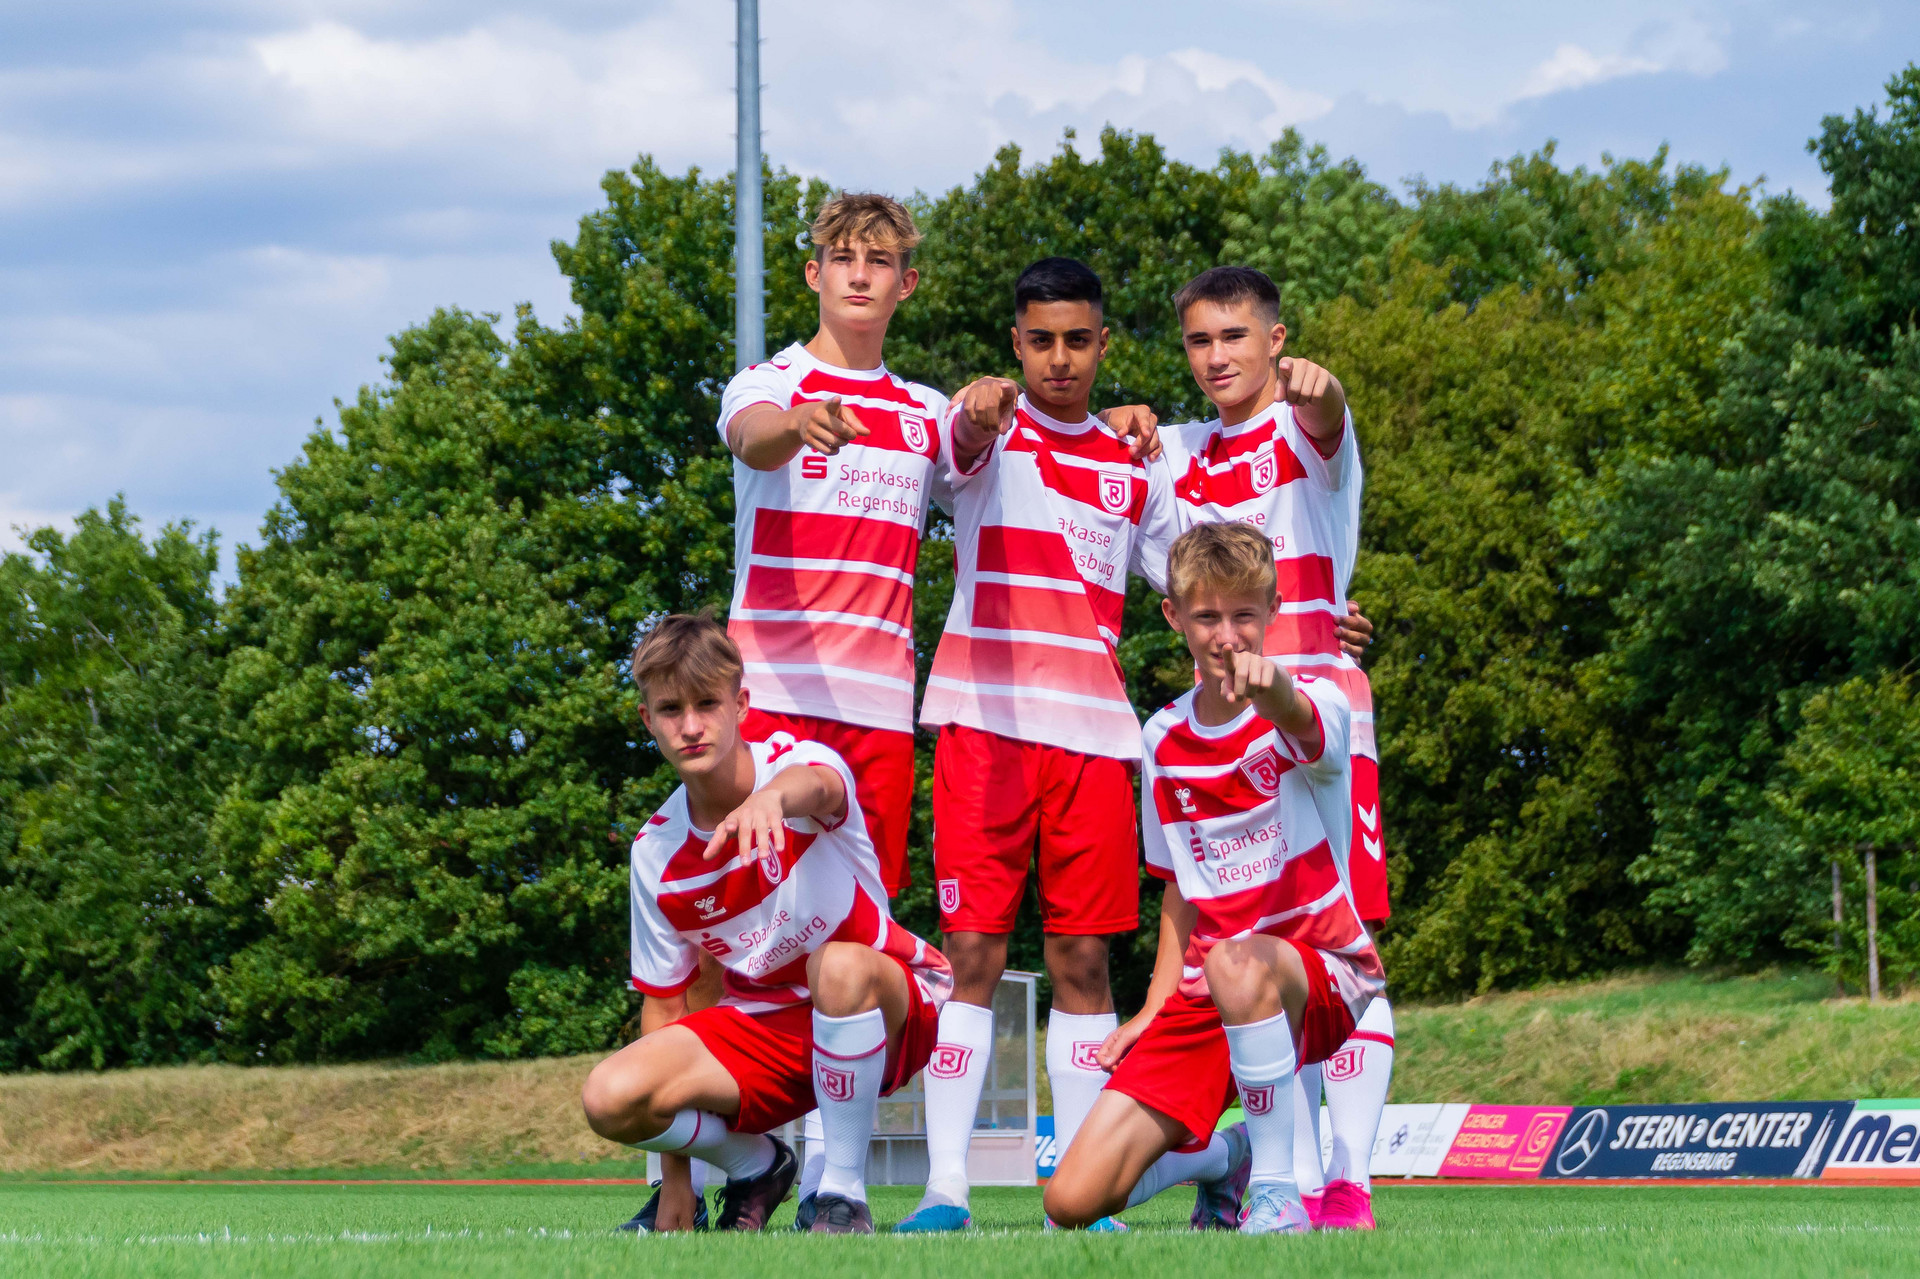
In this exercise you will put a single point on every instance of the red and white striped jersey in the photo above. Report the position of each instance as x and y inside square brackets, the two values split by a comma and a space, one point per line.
[1255, 830]
[1268, 472]
[824, 548]
[761, 922]
[1047, 525]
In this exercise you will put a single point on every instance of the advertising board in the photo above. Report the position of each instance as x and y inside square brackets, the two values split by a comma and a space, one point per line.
[1739, 1139]
[1504, 1141]
[1880, 1139]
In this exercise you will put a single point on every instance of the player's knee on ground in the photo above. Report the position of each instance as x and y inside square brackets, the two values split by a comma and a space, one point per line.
[1079, 1194]
[840, 978]
[1077, 967]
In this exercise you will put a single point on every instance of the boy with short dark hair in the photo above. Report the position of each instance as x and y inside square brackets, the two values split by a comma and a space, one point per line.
[1263, 963]
[762, 860]
[1037, 739]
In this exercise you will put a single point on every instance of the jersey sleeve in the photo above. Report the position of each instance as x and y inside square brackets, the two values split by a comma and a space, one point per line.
[1153, 835]
[1335, 715]
[664, 963]
[815, 755]
[1159, 526]
[761, 384]
[1343, 467]
[949, 467]
[939, 483]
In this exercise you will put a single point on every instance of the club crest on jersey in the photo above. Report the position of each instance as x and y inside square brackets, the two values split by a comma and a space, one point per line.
[1116, 492]
[1345, 1064]
[913, 429]
[949, 1061]
[1086, 1054]
[1265, 468]
[837, 1084]
[1263, 771]
[770, 867]
[1257, 1101]
[949, 896]
[707, 906]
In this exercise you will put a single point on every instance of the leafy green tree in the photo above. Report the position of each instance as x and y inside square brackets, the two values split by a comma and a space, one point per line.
[112, 759]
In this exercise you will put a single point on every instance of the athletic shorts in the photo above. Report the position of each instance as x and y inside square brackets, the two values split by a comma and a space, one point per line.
[1367, 863]
[770, 1055]
[1180, 1068]
[1000, 806]
[882, 764]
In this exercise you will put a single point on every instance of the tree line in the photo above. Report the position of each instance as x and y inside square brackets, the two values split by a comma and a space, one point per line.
[1641, 534]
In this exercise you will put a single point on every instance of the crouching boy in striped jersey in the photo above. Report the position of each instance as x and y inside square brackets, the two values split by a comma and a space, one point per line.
[1263, 964]
[762, 859]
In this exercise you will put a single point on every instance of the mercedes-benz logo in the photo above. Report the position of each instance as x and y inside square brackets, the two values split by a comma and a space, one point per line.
[1583, 1139]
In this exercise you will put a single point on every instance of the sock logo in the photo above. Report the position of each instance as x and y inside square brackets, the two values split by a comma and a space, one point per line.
[1086, 1054]
[837, 1084]
[1345, 1064]
[949, 1061]
[1257, 1101]
[949, 896]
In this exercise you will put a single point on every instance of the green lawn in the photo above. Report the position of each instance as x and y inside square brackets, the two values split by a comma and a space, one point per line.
[81, 1229]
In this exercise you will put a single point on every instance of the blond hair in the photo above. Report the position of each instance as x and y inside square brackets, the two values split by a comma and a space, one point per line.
[686, 653]
[1236, 559]
[881, 221]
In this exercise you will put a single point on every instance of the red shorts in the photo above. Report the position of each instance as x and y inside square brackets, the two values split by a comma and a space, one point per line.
[1367, 863]
[1000, 804]
[770, 1055]
[882, 764]
[1180, 1068]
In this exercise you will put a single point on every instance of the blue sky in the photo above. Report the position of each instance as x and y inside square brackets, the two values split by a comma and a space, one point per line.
[213, 212]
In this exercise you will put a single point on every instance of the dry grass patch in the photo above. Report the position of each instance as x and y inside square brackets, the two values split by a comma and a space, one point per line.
[1653, 1037]
[227, 1118]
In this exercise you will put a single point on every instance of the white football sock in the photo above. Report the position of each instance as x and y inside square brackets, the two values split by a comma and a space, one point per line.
[953, 1080]
[849, 1067]
[1307, 1156]
[705, 1136]
[1263, 1069]
[814, 1133]
[1072, 1040]
[702, 1171]
[1209, 1163]
[1357, 1093]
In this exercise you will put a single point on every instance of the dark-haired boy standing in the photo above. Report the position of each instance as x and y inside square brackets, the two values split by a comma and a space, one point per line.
[1038, 742]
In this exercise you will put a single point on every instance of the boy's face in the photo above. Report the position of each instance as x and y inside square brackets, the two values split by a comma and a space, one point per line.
[1219, 623]
[1231, 350]
[1060, 346]
[860, 284]
[697, 730]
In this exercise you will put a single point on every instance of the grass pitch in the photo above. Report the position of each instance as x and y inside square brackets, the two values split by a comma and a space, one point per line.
[89, 1229]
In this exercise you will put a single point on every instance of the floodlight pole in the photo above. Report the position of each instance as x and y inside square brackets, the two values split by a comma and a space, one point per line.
[749, 263]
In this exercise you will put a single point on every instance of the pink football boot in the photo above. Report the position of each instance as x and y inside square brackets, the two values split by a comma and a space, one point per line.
[1345, 1205]
[1313, 1209]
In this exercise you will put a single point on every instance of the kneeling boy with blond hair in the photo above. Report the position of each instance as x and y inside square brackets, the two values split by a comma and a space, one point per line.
[761, 859]
[1263, 965]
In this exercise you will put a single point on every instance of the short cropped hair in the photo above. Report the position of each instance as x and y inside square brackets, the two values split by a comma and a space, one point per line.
[1057, 280]
[1231, 286]
[687, 653]
[1233, 558]
[880, 220]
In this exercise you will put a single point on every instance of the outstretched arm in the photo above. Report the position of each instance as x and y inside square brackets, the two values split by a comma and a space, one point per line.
[982, 410]
[767, 438]
[759, 825]
[1319, 401]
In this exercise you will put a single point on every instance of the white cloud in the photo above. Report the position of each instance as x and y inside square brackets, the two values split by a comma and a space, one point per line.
[1687, 45]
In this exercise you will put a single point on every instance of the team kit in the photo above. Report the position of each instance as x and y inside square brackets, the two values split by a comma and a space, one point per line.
[778, 988]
